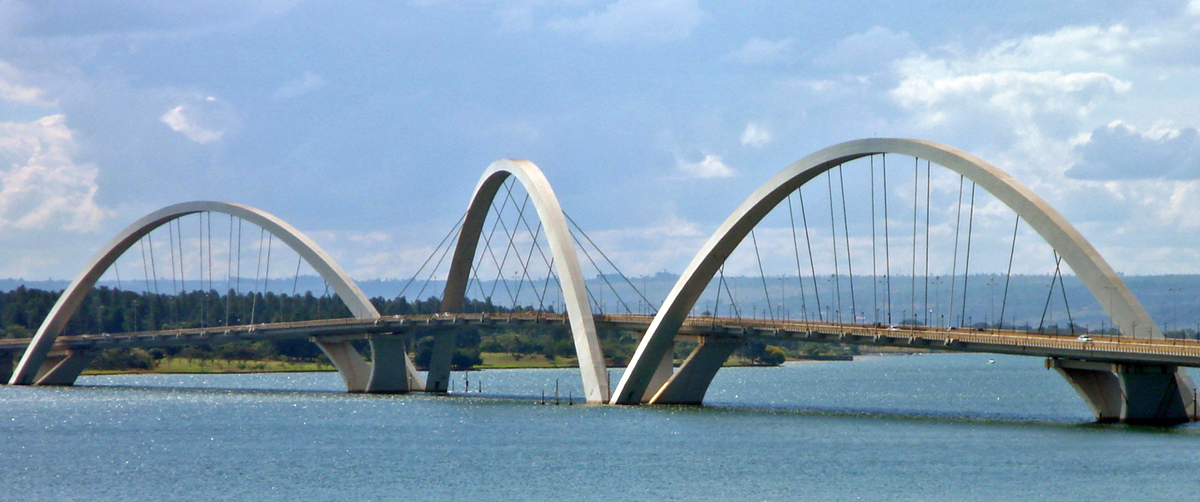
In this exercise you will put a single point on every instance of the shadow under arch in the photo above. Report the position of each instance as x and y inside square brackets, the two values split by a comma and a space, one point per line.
[35, 367]
[649, 378]
[566, 264]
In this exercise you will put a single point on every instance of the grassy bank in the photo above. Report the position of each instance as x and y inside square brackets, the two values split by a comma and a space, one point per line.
[184, 365]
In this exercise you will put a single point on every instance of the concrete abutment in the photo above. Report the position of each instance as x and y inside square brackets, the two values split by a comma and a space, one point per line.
[1144, 394]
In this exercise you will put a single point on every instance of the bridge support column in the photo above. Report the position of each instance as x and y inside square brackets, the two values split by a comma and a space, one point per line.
[689, 384]
[62, 368]
[666, 368]
[391, 370]
[1132, 393]
[438, 378]
[349, 363]
[6, 367]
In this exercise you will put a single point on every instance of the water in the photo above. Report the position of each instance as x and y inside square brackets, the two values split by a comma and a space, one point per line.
[929, 427]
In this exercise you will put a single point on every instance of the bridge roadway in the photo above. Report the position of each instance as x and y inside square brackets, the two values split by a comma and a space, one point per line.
[1099, 348]
[1120, 378]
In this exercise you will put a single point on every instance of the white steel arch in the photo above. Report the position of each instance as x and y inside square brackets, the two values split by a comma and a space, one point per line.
[566, 264]
[1102, 281]
[358, 303]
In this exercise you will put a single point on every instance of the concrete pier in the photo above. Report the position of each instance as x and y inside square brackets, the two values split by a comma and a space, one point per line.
[1144, 394]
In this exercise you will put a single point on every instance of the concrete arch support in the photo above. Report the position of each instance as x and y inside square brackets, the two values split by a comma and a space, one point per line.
[350, 365]
[1101, 280]
[566, 264]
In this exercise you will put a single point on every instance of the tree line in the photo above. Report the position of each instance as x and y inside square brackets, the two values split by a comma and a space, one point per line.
[109, 310]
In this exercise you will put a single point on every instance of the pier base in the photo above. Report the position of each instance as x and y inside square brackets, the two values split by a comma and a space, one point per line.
[62, 368]
[1131, 393]
[690, 383]
[6, 367]
[437, 380]
[392, 372]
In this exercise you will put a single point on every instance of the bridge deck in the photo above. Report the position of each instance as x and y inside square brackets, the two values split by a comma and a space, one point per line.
[1097, 348]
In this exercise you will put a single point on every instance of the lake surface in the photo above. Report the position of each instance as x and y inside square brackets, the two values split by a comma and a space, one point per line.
[928, 427]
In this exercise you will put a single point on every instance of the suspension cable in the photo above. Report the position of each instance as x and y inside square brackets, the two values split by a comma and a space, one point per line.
[145, 270]
[434, 271]
[511, 248]
[954, 263]
[200, 287]
[967, 261]
[912, 296]
[179, 235]
[229, 271]
[507, 249]
[525, 267]
[837, 282]
[210, 267]
[925, 307]
[174, 288]
[541, 252]
[811, 262]
[1008, 276]
[763, 275]
[846, 233]
[733, 304]
[452, 231]
[1063, 287]
[874, 253]
[238, 276]
[257, 274]
[267, 268]
[887, 241]
[610, 263]
[796, 249]
[1053, 278]
[522, 262]
[602, 275]
[546, 286]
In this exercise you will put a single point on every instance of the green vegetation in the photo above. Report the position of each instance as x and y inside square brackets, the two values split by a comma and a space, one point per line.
[107, 310]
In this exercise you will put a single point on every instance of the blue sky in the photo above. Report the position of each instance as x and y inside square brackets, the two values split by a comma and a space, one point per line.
[367, 124]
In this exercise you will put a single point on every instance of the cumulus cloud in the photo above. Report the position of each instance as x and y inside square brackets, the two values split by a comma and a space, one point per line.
[11, 90]
[306, 83]
[934, 89]
[872, 50]
[41, 184]
[761, 51]
[755, 136]
[203, 120]
[636, 20]
[1118, 152]
[711, 166]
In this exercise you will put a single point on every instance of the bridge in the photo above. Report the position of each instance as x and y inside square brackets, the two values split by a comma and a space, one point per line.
[1129, 373]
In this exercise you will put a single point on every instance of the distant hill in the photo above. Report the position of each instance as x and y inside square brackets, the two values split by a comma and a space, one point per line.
[1172, 300]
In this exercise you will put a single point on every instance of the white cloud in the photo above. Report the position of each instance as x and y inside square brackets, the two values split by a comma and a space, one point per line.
[872, 50]
[710, 167]
[202, 119]
[41, 184]
[937, 92]
[636, 20]
[1118, 151]
[761, 51]
[755, 136]
[10, 90]
[306, 83]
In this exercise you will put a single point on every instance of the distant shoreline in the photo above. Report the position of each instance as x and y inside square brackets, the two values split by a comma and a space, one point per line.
[182, 366]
